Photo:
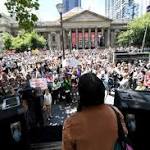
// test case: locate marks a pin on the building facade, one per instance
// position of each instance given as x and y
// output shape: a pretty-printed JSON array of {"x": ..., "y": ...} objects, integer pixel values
[
  {"x": 83, "y": 29},
  {"x": 121, "y": 9},
  {"x": 109, "y": 8},
  {"x": 125, "y": 9},
  {"x": 70, "y": 4}
]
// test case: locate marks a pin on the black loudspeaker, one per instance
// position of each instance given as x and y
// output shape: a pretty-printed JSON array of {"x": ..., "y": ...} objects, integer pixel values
[
  {"x": 132, "y": 100},
  {"x": 135, "y": 105},
  {"x": 13, "y": 129}
]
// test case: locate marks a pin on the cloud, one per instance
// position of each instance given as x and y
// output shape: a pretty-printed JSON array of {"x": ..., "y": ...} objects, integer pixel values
[{"x": 3, "y": 8}]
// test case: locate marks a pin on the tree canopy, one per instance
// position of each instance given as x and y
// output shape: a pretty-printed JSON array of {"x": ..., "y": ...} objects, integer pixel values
[
  {"x": 23, "y": 41},
  {"x": 135, "y": 32},
  {"x": 7, "y": 40},
  {"x": 24, "y": 12}
]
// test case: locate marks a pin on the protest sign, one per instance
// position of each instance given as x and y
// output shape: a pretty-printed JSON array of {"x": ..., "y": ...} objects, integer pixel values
[{"x": 38, "y": 82}]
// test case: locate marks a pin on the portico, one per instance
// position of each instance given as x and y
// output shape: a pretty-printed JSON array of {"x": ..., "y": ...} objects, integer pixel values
[{"x": 87, "y": 29}]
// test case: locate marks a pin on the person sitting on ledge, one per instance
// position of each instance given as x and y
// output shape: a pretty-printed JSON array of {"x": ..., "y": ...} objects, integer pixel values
[{"x": 94, "y": 125}]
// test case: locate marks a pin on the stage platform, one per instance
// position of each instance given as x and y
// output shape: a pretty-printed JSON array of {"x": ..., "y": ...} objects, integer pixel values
[
  {"x": 60, "y": 112},
  {"x": 47, "y": 146},
  {"x": 53, "y": 131}
]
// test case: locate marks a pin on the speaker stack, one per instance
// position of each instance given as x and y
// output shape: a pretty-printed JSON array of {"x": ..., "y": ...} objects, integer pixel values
[
  {"x": 135, "y": 105},
  {"x": 13, "y": 129}
]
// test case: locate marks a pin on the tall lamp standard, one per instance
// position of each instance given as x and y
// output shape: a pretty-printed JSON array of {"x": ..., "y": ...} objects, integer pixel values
[
  {"x": 146, "y": 28},
  {"x": 59, "y": 7}
]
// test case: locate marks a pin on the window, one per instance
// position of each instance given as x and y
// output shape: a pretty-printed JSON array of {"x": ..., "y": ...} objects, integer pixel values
[
  {"x": 130, "y": 2},
  {"x": 123, "y": 12},
  {"x": 67, "y": 5},
  {"x": 118, "y": 15},
  {"x": 76, "y": 3}
]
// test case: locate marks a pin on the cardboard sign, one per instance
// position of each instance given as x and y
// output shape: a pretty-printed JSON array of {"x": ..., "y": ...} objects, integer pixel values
[
  {"x": 73, "y": 62},
  {"x": 39, "y": 82}
]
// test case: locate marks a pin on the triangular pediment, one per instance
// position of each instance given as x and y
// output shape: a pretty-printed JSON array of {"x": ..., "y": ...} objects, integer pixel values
[{"x": 86, "y": 16}]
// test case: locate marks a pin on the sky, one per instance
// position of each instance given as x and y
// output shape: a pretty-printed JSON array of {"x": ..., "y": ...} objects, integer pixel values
[{"x": 48, "y": 11}]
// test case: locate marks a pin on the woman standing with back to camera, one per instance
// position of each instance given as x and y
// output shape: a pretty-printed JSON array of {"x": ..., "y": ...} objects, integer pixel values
[{"x": 94, "y": 125}]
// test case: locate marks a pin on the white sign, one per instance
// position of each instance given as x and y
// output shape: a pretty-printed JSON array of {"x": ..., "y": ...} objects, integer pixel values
[{"x": 73, "y": 62}]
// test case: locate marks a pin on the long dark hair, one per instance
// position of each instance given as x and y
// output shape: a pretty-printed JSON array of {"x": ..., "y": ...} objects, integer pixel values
[{"x": 91, "y": 91}]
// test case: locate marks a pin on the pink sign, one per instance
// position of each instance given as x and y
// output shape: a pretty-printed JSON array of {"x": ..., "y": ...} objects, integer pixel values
[
  {"x": 73, "y": 39},
  {"x": 86, "y": 39},
  {"x": 80, "y": 39},
  {"x": 40, "y": 82},
  {"x": 93, "y": 39},
  {"x": 147, "y": 79}
]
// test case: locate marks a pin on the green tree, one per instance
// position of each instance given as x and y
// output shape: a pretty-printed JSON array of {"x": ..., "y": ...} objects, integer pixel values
[
  {"x": 28, "y": 40},
  {"x": 23, "y": 10},
  {"x": 135, "y": 32},
  {"x": 7, "y": 40},
  {"x": 37, "y": 41},
  {"x": 18, "y": 44},
  {"x": 125, "y": 38}
]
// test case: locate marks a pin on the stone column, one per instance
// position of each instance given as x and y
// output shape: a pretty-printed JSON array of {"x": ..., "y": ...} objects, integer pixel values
[
  {"x": 89, "y": 37},
  {"x": 103, "y": 36},
  {"x": 115, "y": 35},
  {"x": 49, "y": 41},
  {"x": 65, "y": 41},
  {"x": 58, "y": 41},
  {"x": 77, "y": 39},
  {"x": 83, "y": 38},
  {"x": 102, "y": 30},
  {"x": 96, "y": 37},
  {"x": 70, "y": 39},
  {"x": 108, "y": 37},
  {"x": 112, "y": 38}
]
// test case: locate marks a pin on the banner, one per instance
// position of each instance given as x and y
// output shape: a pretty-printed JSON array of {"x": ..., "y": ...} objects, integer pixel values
[
  {"x": 73, "y": 39},
  {"x": 92, "y": 39},
  {"x": 39, "y": 82},
  {"x": 80, "y": 39},
  {"x": 86, "y": 40}
]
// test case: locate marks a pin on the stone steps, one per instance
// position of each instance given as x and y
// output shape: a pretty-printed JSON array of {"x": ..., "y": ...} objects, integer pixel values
[{"x": 47, "y": 146}]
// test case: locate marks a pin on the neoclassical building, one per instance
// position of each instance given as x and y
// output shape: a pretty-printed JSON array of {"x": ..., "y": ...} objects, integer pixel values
[{"x": 83, "y": 29}]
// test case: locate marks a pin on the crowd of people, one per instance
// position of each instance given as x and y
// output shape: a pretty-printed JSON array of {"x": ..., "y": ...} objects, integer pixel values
[{"x": 58, "y": 78}]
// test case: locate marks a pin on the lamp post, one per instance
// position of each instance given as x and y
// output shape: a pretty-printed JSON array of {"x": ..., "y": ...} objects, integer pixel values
[
  {"x": 60, "y": 10},
  {"x": 146, "y": 28}
]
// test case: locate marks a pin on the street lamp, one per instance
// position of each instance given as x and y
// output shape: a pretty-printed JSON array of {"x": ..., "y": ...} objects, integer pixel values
[
  {"x": 146, "y": 28},
  {"x": 60, "y": 10}
]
